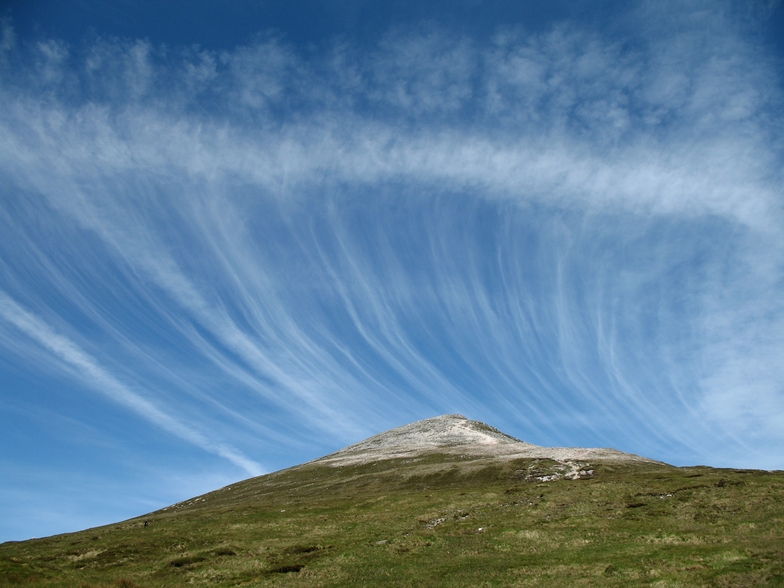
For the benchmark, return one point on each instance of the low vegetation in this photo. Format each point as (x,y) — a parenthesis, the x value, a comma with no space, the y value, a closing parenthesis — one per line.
(438,520)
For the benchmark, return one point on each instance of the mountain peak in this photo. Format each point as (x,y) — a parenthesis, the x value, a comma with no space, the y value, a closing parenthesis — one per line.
(456,434)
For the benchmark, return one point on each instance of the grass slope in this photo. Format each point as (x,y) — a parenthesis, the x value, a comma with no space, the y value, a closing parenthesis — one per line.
(437,520)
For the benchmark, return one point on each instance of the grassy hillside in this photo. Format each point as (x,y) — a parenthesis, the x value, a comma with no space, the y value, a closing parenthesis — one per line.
(437,521)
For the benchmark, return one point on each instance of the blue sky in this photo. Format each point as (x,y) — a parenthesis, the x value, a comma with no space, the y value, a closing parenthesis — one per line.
(235,239)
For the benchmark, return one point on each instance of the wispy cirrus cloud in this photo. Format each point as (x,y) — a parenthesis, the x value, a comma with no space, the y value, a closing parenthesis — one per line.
(575,234)
(99,379)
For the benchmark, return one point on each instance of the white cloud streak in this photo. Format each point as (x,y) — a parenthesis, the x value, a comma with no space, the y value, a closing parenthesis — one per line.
(98,378)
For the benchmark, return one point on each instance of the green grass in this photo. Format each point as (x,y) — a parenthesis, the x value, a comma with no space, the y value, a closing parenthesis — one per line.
(437,521)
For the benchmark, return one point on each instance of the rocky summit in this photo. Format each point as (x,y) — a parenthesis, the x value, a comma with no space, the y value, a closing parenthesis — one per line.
(457,435)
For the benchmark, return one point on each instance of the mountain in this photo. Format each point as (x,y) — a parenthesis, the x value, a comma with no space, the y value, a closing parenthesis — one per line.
(442,502)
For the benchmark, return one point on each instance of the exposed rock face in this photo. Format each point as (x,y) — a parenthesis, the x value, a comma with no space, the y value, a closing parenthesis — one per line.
(455,434)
